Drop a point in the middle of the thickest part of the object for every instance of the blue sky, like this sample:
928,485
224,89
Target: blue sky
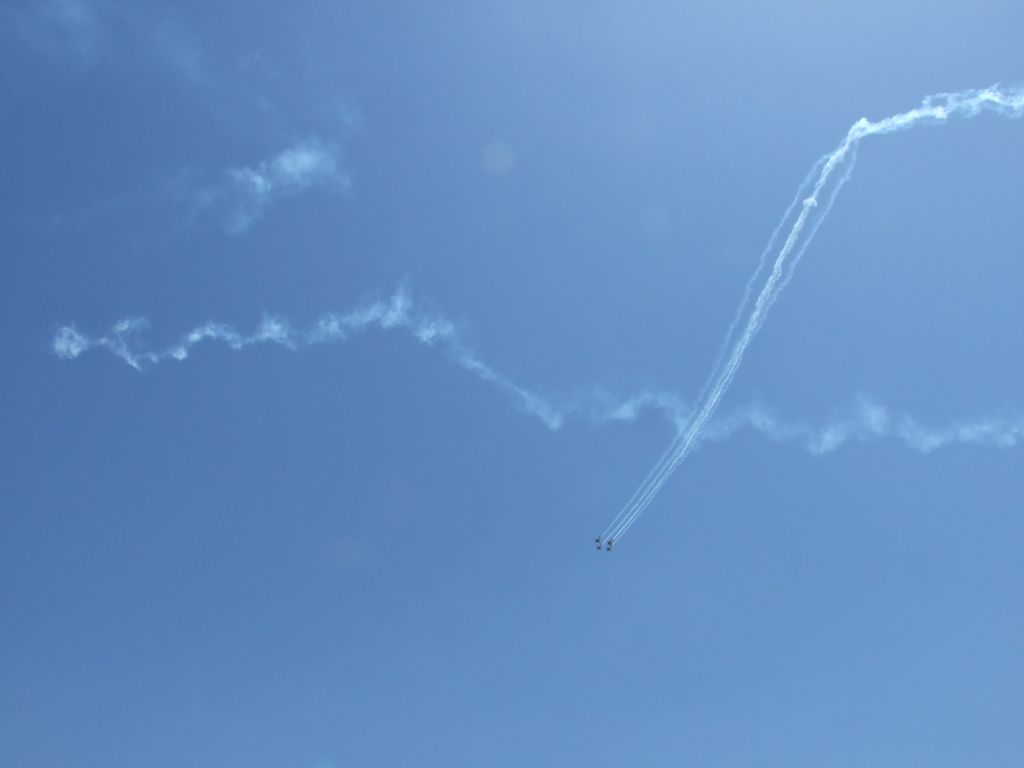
456,273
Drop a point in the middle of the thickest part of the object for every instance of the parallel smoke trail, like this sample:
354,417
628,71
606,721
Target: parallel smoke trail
934,109
748,289
723,348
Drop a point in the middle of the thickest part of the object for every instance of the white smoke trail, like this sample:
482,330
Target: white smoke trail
934,109
647,487
396,313
723,348
664,467
869,421
762,261
866,421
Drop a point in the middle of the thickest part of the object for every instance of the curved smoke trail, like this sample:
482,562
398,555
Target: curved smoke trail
868,421
935,109
722,349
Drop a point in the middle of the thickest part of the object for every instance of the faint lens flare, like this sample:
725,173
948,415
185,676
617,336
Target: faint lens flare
498,158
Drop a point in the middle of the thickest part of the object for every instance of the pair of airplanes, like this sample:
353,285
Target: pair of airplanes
607,544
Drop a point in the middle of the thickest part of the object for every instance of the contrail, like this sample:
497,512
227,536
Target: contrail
866,421
647,488
395,313
723,348
752,280
935,109
869,421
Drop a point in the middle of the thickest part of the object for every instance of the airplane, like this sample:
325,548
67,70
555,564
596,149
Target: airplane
597,541
609,544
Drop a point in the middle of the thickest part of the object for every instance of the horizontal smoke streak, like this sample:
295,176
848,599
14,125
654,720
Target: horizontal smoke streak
868,421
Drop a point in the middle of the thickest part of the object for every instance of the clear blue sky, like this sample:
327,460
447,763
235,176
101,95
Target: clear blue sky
376,554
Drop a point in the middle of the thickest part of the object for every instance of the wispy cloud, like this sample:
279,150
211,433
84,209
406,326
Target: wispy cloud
242,195
238,88
866,421
71,28
176,49
141,38
307,164
86,32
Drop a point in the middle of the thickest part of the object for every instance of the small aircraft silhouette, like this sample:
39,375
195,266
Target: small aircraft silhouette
607,544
